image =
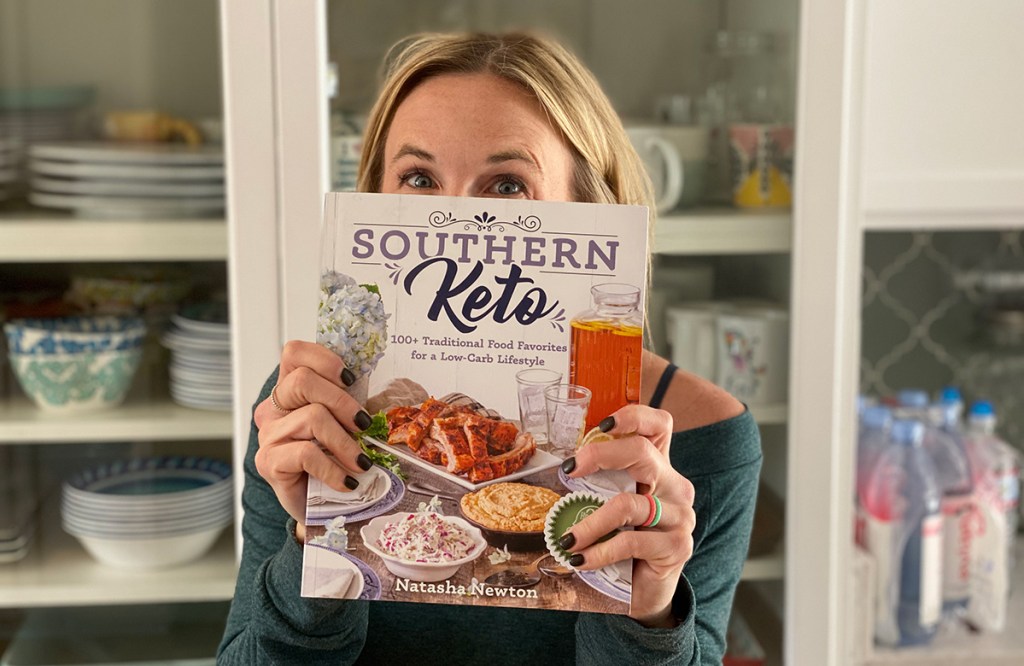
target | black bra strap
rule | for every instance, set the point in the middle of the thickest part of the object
(659, 390)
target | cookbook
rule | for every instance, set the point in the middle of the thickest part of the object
(489, 338)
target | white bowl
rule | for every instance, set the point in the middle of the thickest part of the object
(115, 530)
(143, 554)
(423, 572)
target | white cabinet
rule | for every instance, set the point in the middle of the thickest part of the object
(941, 101)
(909, 118)
(136, 54)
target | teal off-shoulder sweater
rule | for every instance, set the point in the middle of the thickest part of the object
(270, 623)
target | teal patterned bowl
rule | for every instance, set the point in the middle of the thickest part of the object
(76, 382)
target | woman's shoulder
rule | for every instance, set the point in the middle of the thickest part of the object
(693, 401)
(713, 431)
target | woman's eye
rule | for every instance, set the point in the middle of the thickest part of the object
(418, 181)
(509, 187)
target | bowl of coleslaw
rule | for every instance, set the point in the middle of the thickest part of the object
(425, 547)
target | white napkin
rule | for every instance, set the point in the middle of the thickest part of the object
(335, 583)
(619, 574)
(613, 481)
(372, 485)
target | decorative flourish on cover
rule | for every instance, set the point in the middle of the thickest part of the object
(484, 222)
(395, 274)
(557, 319)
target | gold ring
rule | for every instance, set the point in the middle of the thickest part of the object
(275, 403)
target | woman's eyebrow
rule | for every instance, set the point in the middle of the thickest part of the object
(409, 149)
(514, 154)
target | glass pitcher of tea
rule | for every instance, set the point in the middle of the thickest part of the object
(605, 348)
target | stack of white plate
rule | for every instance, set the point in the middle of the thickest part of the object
(200, 368)
(108, 179)
(40, 113)
(17, 504)
(148, 513)
(9, 160)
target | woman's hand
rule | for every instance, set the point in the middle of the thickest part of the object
(312, 410)
(659, 552)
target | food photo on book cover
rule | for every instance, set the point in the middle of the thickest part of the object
(488, 338)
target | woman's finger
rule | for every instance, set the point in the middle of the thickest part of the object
(636, 455)
(303, 386)
(321, 360)
(654, 424)
(660, 550)
(623, 510)
(316, 423)
(289, 463)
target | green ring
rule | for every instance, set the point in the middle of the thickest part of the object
(657, 512)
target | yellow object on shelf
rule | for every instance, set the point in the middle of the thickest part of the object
(150, 126)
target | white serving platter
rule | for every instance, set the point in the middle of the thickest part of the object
(541, 460)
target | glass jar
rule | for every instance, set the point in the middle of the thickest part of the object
(605, 349)
(747, 86)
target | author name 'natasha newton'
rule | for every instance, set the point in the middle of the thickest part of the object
(475, 589)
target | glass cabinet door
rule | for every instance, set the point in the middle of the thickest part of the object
(113, 274)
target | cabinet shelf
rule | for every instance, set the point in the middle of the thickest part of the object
(21, 422)
(40, 236)
(771, 566)
(770, 414)
(724, 230)
(59, 572)
(1002, 649)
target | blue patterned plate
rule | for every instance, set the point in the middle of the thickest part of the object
(371, 583)
(603, 583)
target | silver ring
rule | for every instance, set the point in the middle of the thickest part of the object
(275, 403)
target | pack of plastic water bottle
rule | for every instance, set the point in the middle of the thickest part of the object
(936, 508)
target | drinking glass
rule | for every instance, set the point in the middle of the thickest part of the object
(567, 406)
(533, 415)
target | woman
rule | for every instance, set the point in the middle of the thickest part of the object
(503, 116)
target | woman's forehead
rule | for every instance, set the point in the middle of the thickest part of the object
(466, 111)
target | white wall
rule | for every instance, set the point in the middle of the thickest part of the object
(150, 54)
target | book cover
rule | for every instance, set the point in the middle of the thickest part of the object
(489, 337)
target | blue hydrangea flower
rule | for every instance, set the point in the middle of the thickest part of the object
(352, 322)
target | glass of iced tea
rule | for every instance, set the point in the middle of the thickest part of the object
(567, 406)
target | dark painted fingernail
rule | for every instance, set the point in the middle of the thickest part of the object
(607, 424)
(569, 464)
(567, 541)
(576, 560)
(364, 461)
(351, 483)
(348, 378)
(362, 420)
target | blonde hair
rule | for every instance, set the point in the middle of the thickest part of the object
(606, 167)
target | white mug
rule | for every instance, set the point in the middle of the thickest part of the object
(691, 329)
(675, 157)
(662, 161)
(753, 354)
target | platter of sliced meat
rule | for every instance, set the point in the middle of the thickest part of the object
(471, 447)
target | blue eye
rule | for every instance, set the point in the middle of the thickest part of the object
(509, 187)
(418, 180)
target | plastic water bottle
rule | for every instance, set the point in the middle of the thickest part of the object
(913, 404)
(996, 468)
(903, 532)
(872, 440)
(944, 442)
(951, 396)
